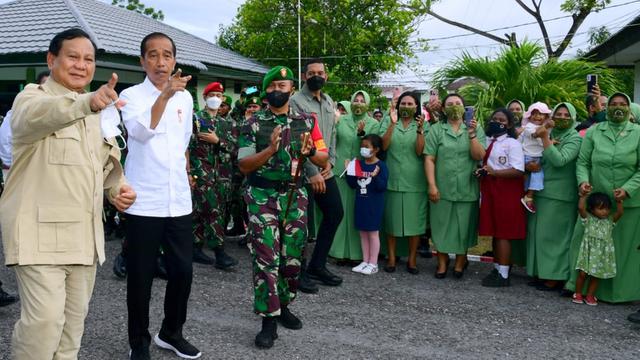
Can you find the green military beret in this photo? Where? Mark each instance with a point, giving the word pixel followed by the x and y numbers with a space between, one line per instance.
pixel 228 100
pixel 275 74
pixel 253 99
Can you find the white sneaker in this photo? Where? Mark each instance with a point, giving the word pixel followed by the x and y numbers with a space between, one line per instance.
pixel 370 269
pixel 360 267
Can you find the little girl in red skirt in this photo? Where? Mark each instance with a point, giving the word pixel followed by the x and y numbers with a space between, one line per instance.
pixel 501 187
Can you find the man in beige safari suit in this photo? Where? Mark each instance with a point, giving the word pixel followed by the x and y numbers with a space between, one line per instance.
pixel 51 209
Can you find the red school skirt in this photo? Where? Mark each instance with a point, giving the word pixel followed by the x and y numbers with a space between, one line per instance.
pixel 502 215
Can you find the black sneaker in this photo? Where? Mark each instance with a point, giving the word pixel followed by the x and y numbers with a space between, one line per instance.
pixel 181 347
pixel 494 279
pixel 323 275
pixel 6 298
pixel 120 266
pixel 288 320
pixel 268 334
pixel 200 257
pixel 223 261
pixel 140 353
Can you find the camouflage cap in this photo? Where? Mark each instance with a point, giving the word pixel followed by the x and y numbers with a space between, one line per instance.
pixel 277 73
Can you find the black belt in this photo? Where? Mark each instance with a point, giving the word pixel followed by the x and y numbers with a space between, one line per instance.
pixel 279 185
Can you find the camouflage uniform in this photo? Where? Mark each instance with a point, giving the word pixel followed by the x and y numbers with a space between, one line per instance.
pixel 276 247
pixel 212 168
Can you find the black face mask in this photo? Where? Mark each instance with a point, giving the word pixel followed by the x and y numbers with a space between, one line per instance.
pixel 277 99
pixel 315 83
pixel 496 129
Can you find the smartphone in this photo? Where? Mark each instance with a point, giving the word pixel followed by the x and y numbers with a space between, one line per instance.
pixel 433 95
pixel 468 115
pixel 592 81
pixel 251 90
pixel 397 91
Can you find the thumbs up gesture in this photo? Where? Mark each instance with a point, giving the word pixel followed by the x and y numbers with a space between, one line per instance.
pixel 105 96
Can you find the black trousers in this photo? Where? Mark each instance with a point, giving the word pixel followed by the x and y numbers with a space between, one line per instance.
pixel 330 205
pixel 144 237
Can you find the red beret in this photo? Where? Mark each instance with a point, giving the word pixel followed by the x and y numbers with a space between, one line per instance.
pixel 214 86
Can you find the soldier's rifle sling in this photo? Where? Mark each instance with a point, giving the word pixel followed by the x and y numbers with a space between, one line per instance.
pixel 305 140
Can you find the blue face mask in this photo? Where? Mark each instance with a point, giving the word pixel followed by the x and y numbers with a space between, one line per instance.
pixel 365 152
pixel 495 129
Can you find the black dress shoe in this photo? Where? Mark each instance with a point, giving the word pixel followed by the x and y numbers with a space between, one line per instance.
pixel 288 320
pixel 412 270
pixel 223 261
pixel 120 266
pixel 307 285
pixel 6 298
pixel 200 257
pixel 442 275
pixel 635 317
pixel 458 274
pixel 389 268
pixel 323 275
pixel 268 334
pixel 544 287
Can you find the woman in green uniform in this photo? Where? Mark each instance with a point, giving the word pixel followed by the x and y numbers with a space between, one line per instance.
pixel 550 229
pixel 609 162
pixel 452 151
pixel 349 129
pixel 405 213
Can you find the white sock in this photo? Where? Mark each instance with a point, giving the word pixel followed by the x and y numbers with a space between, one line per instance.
pixel 496 266
pixel 504 271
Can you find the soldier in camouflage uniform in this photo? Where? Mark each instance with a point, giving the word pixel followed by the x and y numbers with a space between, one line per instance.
pixel 225 107
pixel 238 208
pixel 272 153
pixel 212 148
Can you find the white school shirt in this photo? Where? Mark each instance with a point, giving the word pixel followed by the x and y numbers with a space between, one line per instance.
pixel 505 154
pixel 156 166
pixel 6 140
pixel 531 146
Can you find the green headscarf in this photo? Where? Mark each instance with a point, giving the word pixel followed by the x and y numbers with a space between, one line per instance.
pixel 347 106
pixel 610 108
pixel 555 132
pixel 635 111
pixel 367 101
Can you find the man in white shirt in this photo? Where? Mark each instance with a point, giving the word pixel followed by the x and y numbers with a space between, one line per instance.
pixel 5 133
pixel 158 120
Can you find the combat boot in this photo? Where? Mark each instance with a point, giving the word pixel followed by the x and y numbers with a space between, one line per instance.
pixel 120 266
pixel 223 261
pixel 288 320
pixel 268 334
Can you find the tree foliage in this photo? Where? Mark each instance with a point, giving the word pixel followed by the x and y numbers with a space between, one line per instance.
pixel 358 39
pixel 578 10
pixel 524 73
pixel 140 8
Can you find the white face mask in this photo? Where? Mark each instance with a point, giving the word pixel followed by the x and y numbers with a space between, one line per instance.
pixel 365 152
pixel 109 121
pixel 214 102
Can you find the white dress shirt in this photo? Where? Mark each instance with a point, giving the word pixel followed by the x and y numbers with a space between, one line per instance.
pixel 156 166
pixel 531 146
pixel 506 154
pixel 5 140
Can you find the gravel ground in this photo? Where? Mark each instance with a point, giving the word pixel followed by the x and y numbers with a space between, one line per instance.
pixel 385 316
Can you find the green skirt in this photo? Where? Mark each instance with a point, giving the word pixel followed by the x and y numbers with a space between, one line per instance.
pixel 346 243
pixel 549 234
pixel 405 213
pixel 626 237
pixel 454 225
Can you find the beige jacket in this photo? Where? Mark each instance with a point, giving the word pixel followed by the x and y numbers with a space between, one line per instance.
pixel 51 208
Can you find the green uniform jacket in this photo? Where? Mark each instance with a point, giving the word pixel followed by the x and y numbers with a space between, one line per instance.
pixel 559 165
pixel 406 169
pixel 454 165
pixel 614 164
